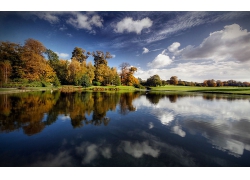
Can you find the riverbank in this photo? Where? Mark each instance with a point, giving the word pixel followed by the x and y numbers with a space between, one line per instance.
pixel 71 89
pixel 217 90
pixel 167 88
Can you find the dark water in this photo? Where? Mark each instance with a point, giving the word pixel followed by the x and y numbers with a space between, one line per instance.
pixel 124 129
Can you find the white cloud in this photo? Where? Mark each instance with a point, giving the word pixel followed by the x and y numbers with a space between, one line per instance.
pixel 145 50
pixel 174 47
pixel 96 20
pixel 231 43
pixel 160 61
pixel 228 125
pixel 177 130
pixel 139 149
pixel 198 72
pixel 48 16
pixel 129 25
pixel 90 152
pixel 84 21
pixel 62 55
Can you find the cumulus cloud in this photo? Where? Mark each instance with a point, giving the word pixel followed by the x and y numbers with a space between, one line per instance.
pixel 145 50
pixel 84 21
pixel 230 43
pixel 160 61
pixel 139 149
pixel 129 25
pixel 62 55
pixel 90 152
pixel 174 47
pixel 177 130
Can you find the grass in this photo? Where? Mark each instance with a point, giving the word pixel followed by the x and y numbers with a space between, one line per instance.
pixel 222 90
pixel 167 88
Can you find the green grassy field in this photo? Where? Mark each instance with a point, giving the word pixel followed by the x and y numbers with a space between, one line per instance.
pixel 222 90
pixel 167 88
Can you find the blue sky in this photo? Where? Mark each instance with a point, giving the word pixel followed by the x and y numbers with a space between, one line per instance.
pixel 193 45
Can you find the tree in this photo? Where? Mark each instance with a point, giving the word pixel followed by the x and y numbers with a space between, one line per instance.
pixel 174 80
pixel 101 66
pixel 90 71
pixel 11 52
pixel 131 80
pixel 124 71
pixel 85 81
pixel 117 80
pixel 75 72
pixel 34 46
pixel 35 67
pixel 78 54
pixel 154 80
pixel 5 68
pixel 53 58
pixel 62 71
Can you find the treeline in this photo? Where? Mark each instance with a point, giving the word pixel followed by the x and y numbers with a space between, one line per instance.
pixel 155 80
pixel 35 65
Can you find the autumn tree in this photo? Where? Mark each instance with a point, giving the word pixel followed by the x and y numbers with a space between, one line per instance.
pixel 101 65
pixel 5 68
pixel 75 72
pixel 174 80
pixel 35 67
pixel 11 52
pixel 219 83
pixel 90 71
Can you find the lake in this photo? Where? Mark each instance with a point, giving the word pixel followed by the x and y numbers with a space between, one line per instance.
pixel 135 129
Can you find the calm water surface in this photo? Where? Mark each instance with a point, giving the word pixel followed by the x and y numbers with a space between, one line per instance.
pixel 124 129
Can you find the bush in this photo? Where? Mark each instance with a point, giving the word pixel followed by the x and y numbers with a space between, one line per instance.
pixel 96 83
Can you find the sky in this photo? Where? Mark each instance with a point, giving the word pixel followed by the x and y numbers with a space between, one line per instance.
pixel 192 45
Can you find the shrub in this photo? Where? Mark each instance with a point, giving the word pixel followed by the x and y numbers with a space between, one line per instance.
pixel 96 83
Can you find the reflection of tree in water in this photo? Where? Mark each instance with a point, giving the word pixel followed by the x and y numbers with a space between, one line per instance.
pixel 77 105
pixel 26 110
pixel 155 97
pixel 211 97
pixel 33 111
pixel 126 100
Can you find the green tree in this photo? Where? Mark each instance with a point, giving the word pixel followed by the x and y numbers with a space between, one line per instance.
pixel 79 54
pixel 154 80
pixel 85 81
pixel 53 58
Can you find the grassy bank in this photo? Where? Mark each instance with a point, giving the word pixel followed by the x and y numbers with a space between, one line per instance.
pixel 221 90
pixel 167 88
pixel 71 89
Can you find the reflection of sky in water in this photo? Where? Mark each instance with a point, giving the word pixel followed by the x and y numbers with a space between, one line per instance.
pixel 224 123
